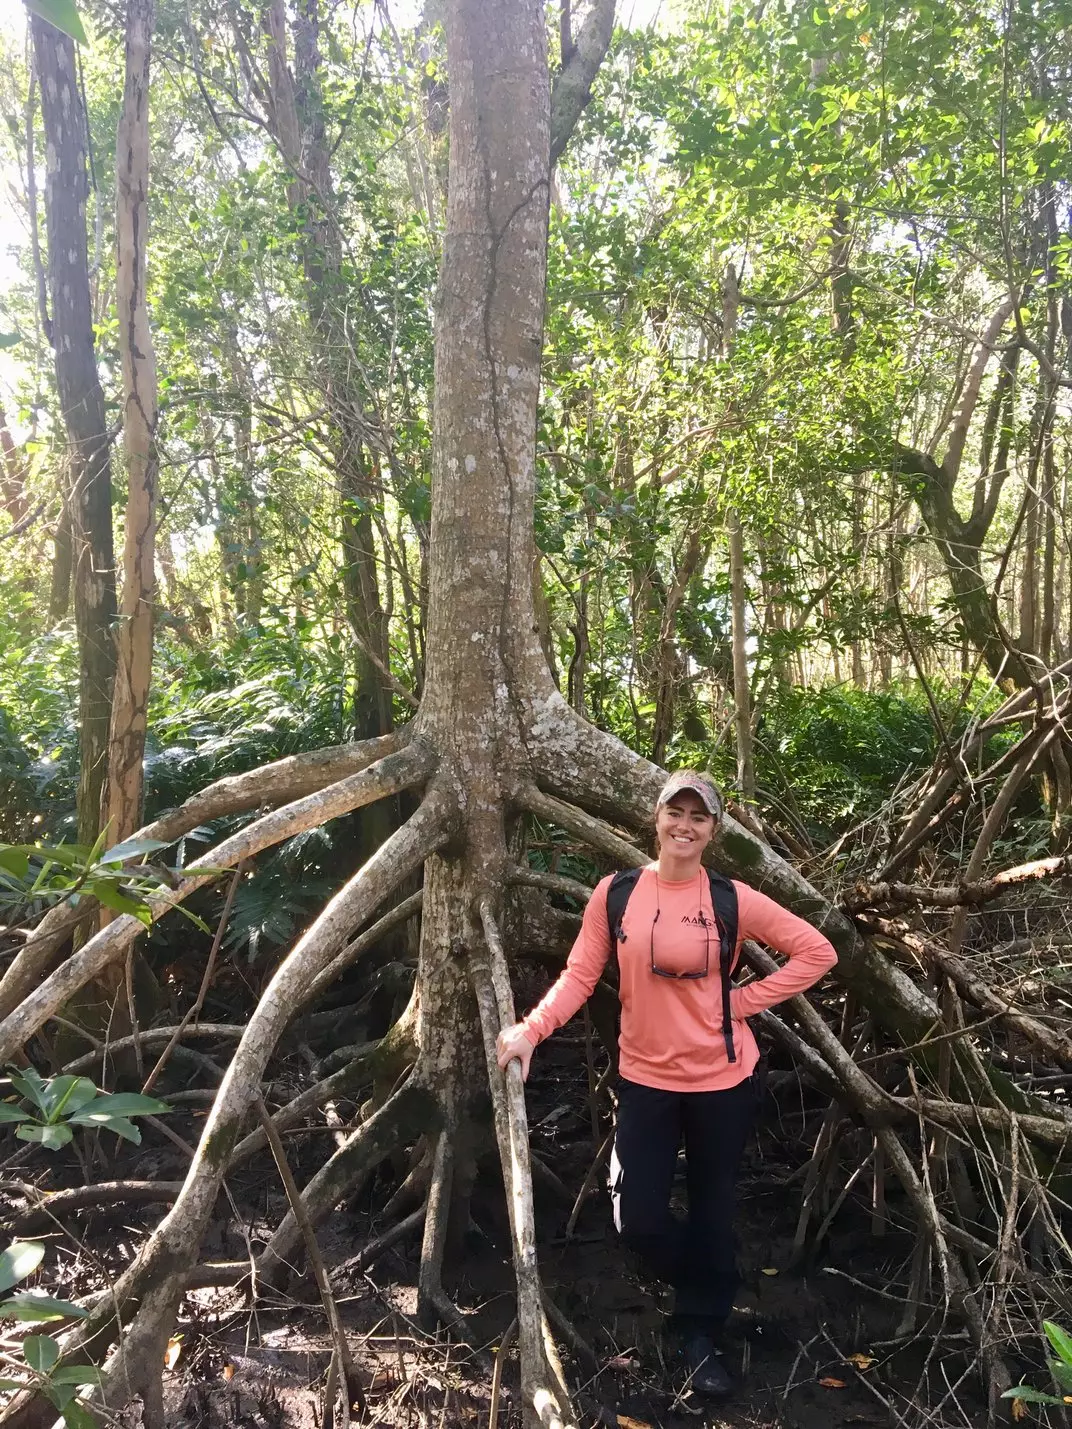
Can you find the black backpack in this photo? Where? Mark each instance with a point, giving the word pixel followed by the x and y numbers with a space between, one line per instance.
pixel 723 901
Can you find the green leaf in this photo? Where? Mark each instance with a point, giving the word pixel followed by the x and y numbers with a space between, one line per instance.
pixel 32 1086
pixel 21 1259
pixel 67 1094
pixel 1030 1396
pixel 118 1124
pixel 14 859
pixel 62 14
pixel 77 1416
pixel 77 1374
pixel 50 1137
pixel 30 1309
pixel 41 1352
pixel 12 1113
pixel 1060 1340
pixel 121 1104
pixel 9 339
pixel 131 848
pixel 7 1384
pixel 107 892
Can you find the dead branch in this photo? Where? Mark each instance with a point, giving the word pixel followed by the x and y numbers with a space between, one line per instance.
pixel 350 1382
pixel 970 986
pixel 956 895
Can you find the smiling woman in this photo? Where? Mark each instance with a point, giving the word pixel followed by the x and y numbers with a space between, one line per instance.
pixel 686 1054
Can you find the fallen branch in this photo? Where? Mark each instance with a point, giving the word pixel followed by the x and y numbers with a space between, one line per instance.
pixel 351 1385
pixel 970 986
pixel 955 895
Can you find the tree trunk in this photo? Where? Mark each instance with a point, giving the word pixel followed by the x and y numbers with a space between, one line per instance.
pixel 82 404
pixel 742 701
pixel 297 114
pixel 123 803
pixel 59 591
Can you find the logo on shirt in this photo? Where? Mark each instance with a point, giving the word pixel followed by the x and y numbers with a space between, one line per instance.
pixel 697 920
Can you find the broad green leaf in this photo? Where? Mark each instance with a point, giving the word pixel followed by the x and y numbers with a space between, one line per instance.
pixel 77 1374
pixel 10 339
pixel 1060 1340
pixel 30 1308
pixel 41 1352
pixel 50 1137
pixel 32 1086
pixel 67 1094
pixel 14 859
pixel 107 892
pixel 62 14
pixel 131 848
pixel 12 1113
pixel 121 1104
pixel 21 1259
pixel 9 1384
pixel 77 1416
pixel 108 1122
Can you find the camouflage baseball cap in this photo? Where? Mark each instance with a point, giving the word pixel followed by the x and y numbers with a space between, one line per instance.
pixel 698 784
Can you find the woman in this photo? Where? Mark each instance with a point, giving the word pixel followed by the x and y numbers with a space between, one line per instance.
pixel 686 1059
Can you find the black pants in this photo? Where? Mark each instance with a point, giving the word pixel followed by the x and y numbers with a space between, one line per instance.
pixel 696 1256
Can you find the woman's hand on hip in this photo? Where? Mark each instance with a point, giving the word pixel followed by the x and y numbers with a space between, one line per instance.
pixel 512 1042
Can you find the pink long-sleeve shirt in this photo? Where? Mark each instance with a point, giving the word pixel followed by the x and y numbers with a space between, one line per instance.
pixel 671 1030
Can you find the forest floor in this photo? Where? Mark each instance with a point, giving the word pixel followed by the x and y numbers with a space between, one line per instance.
pixel 790 1341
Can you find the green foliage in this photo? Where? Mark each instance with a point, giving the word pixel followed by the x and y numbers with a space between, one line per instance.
pixel 61 13
pixel 35 877
pixel 57 1104
pixel 1060 1367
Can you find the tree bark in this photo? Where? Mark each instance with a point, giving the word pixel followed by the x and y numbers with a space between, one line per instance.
pixel 123 799
pixel 742 701
pixel 82 404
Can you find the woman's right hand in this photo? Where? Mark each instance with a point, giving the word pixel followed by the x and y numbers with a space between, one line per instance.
pixel 512 1042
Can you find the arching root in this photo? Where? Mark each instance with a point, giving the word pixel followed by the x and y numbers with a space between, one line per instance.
pixel 148 1293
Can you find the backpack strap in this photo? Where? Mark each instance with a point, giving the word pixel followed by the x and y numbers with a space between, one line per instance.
pixel 618 894
pixel 724 902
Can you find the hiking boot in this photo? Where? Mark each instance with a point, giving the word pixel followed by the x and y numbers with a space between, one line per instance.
pixel 707 1374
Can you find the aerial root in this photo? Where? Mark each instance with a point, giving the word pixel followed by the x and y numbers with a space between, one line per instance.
pixel 155 1281
pixel 371 1252
pixel 281 782
pixel 396 772
pixel 545 1399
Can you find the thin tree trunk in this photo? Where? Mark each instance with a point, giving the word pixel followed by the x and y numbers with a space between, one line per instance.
pixel 135 639
pixel 59 594
pixel 742 703
pixel 82 404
